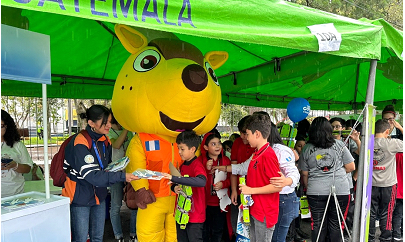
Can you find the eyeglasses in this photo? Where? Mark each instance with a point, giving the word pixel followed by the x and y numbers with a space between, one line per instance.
pixel 336 126
pixel 3 126
pixel 389 119
pixel 213 144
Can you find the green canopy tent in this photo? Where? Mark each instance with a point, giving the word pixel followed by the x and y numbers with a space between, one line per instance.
pixel 86 57
pixel 273 55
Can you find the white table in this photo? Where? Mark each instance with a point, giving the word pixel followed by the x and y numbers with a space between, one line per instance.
pixel 48 220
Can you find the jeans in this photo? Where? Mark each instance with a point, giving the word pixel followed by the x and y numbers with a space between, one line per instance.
pixel 116 191
pixel 87 221
pixel 288 210
pixel 382 203
pixel 259 231
pixel 330 226
pixel 214 224
pixel 397 219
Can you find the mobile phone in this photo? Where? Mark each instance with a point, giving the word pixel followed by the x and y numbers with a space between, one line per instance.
pixel 6 160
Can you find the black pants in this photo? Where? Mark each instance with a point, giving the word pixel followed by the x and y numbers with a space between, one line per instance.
pixel 350 212
pixel 234 215
pixel 214 224
pixel 382 202
pixel 397 219
pixel 192 232
pixel 331 226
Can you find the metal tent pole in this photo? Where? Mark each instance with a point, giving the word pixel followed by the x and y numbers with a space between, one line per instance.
pixel 359 204
pixel 45 139
pixel 70 117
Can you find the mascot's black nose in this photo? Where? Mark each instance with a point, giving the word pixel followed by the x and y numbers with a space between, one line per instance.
pixel 195 77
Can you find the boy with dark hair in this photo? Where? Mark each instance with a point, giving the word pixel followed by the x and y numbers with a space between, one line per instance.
pixel 188 142
pixel 384 188
pixel 263 166
pixel 241 151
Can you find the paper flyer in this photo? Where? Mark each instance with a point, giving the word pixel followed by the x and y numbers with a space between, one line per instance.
pixel 148 174
pixel 118 165
pixel 222 194
pixel 21 203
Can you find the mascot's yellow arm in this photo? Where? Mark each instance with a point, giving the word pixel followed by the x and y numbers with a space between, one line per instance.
pixel 137 159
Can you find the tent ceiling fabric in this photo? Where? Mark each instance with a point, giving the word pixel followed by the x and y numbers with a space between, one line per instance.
pixel 86 56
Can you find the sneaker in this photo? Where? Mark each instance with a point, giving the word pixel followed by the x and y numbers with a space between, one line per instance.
pixel 133 239
pixel 396 239
pixel 120 240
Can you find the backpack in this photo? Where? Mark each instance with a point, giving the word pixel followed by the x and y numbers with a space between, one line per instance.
pixel 57 173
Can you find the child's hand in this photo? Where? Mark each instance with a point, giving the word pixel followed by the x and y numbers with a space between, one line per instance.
pixel 219 168
pixel 279 181
pixel 177 189
pixel 218 186
pixel 355 135
pixel 245 190
pixel 167 176
pixel 234 198
pixel 209 164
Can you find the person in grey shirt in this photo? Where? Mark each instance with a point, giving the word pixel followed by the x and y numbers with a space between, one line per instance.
pixel 324 162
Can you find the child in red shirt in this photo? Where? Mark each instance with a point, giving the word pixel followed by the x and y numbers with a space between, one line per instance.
pixel 188 141
pixel 241 151
pixel 263 166
pixel 211 154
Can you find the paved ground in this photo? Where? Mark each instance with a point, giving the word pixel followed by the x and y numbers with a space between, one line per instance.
pixel 125 215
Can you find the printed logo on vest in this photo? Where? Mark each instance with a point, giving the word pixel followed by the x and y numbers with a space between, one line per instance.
pixel 152 145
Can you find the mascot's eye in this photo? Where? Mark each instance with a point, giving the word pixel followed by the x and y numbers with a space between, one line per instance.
pixel 146 61
pixel 212 73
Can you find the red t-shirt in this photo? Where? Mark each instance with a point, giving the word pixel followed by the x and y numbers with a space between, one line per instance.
pixel 263 166
pixel 240 151
pixel 399 161
pixel 197 213
pixel 213 200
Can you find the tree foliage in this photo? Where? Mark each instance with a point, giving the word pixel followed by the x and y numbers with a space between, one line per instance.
pixel 18 108
pixel 389 10
pixel 23 108
pixel 82 104
pixel 231 114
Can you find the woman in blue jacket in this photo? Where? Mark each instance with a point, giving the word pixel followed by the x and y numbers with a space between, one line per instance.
pixel 86 184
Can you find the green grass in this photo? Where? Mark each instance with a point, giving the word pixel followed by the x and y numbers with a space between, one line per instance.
pixel 35 140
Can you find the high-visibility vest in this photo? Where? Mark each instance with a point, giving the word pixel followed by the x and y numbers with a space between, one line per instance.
pixel 159 154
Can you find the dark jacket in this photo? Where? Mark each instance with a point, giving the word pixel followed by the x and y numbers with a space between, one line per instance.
pixel 86 183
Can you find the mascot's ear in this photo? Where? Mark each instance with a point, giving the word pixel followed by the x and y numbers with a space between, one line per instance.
pixel 216 58
pixel 131 39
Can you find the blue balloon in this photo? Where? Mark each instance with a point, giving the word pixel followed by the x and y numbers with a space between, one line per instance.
pixel 298 109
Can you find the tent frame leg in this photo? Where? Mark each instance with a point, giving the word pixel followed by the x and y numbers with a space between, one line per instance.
pixel 359 204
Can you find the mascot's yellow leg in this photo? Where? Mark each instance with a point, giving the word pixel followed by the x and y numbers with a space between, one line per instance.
pixel 156 222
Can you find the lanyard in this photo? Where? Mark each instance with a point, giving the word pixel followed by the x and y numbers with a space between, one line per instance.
pixel 98 154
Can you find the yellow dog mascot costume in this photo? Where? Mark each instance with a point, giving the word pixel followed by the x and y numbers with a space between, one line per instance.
pixel 165 86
